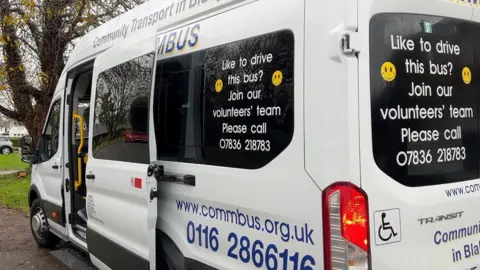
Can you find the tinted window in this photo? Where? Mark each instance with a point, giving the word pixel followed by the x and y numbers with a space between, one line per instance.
pixel 424 97
pixel 121 111
pixel 230 105
pixel 51 135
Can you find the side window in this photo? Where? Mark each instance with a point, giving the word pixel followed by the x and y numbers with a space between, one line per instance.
pixel 179 108
pixel 231 105
pixel 424 100
pixel 120 129
pixel 52 132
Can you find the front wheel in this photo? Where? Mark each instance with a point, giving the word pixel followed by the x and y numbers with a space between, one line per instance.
pixel 39 226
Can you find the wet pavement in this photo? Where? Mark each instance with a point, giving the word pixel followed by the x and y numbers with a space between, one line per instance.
pixel 18 249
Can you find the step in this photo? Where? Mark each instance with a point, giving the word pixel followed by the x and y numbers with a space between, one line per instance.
pixel 80 228
pixel 72 259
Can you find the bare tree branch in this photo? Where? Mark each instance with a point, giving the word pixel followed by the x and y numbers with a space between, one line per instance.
pixel 9 113
pixel 31 25
pixel 26 43
pixel 78 18
pixel 36 93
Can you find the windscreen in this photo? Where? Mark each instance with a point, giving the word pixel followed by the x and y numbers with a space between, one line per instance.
pixel 424 96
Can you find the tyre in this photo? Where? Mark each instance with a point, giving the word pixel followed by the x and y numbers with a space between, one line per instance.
pixel 6 150
pixel 39 226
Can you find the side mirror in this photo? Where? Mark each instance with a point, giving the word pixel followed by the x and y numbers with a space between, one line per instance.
pixel 29 158
pixel 27 152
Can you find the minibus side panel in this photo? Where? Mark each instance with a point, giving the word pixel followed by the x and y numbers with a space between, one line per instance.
pixel 331 93
pixel 419 132
pixel 228 110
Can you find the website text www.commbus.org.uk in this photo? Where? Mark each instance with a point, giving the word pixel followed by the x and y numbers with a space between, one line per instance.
pixel 286 231
pixel 466 189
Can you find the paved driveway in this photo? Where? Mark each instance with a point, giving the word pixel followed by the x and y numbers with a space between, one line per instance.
pixel 7 172
pixel 17 247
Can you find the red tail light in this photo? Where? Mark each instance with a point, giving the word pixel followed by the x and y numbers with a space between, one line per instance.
pixel 345 227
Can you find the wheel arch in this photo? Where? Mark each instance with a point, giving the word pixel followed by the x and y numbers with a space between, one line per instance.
pixel 33 194
pixel 173 256
pixel 167 250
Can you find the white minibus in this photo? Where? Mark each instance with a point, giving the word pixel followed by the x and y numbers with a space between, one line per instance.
pixel 271 134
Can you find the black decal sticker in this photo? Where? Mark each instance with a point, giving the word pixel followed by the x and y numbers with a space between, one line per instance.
pixel 231 105
pixel 249 100
pixel 424 98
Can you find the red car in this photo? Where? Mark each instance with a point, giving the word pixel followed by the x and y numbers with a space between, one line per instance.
pixel 136 136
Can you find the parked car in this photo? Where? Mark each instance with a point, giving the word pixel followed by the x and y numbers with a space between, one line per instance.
pixel 136 136
pixel 6 146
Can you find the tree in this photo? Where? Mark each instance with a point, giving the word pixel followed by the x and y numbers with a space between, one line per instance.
pixel 35 39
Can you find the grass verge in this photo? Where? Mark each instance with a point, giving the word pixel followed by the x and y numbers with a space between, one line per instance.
pixel 14 192
pixel 12 162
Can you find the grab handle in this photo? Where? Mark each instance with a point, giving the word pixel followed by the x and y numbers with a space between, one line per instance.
pixel 78 182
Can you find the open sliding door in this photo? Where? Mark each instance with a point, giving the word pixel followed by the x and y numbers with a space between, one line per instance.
pixel 121 216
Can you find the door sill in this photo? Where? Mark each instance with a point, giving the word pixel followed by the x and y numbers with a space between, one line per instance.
pixel 80 232
pixel 80 228
pixel 59 234
pixel 78 241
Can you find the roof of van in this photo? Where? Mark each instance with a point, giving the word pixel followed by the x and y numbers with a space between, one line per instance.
pixel 139 23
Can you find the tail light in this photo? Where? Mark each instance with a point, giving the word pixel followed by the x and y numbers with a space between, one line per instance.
pixel 345 228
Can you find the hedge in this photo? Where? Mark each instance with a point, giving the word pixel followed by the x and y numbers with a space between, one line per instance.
pixel 15 141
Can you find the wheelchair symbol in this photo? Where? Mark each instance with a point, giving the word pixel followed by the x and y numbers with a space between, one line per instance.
pixel 385 231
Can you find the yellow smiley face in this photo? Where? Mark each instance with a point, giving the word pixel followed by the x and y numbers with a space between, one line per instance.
pixel 466 75
pixel 218 86
pixel 388 71
pixel 277 78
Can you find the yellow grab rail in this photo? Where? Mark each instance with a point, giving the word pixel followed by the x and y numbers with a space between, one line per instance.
pixel 78 182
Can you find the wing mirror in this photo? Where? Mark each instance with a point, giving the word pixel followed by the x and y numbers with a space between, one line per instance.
pixel 27 149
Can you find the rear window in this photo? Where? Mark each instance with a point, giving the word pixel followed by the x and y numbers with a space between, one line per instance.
pixel 424 96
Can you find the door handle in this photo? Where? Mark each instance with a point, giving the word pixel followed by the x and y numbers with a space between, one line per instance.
pixel 67 185
pixel 55 167
pixel 158 172
pixel 90 176
pixel 186 179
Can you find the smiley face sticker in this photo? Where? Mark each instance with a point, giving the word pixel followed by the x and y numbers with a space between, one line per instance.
pixel 277 78
pixel 219 86
pixel 388 71
pixel 466 75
